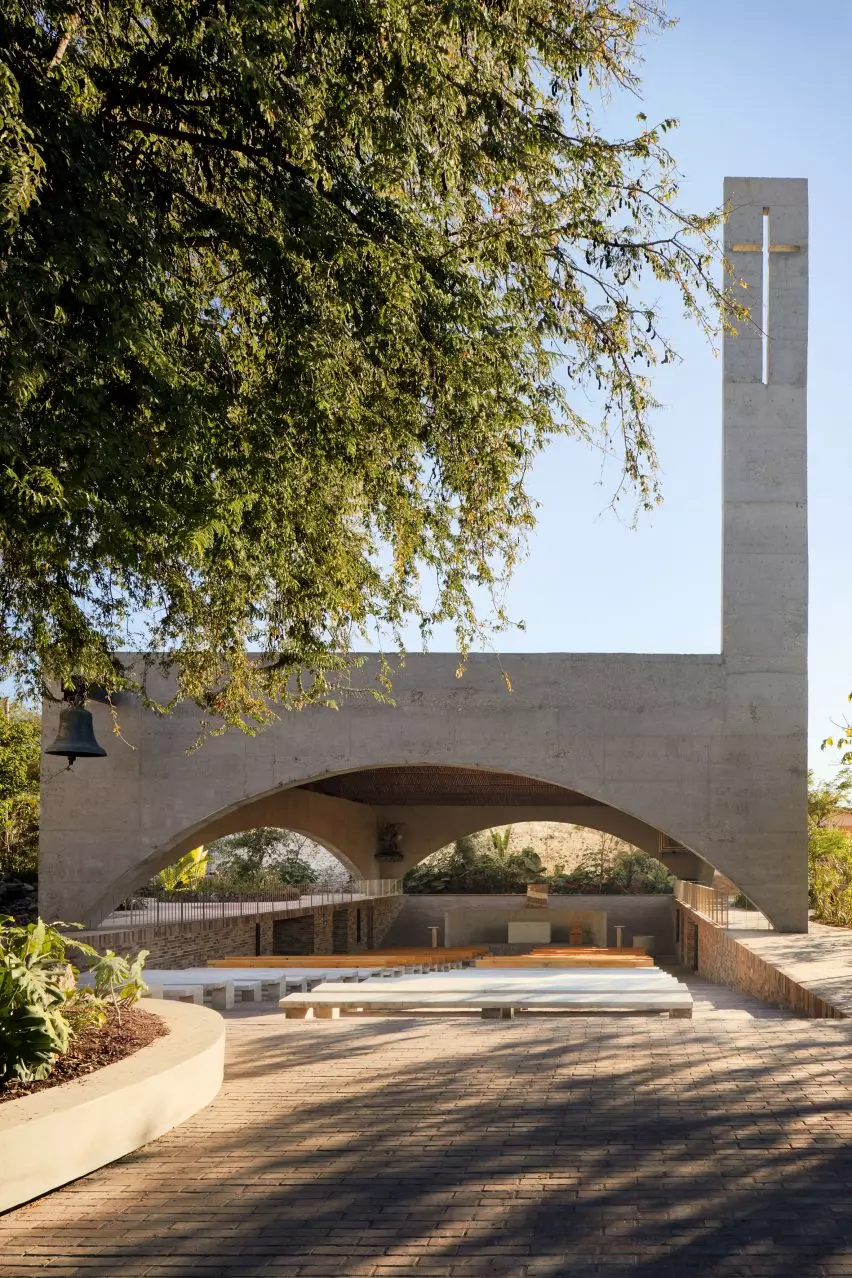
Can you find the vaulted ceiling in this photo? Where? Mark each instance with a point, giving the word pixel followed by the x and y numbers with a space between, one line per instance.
pixel 422 784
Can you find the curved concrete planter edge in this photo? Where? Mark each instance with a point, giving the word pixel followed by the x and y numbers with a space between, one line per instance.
pixel 63 1132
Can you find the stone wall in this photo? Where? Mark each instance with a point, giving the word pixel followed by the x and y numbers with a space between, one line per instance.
pixel 192 944
pixel 715 954
pixel 383 913
pixel 639 915
pixel 295 935
pixel 188 944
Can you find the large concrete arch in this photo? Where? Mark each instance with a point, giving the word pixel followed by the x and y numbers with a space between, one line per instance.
pixel 350 830
pixel 708 748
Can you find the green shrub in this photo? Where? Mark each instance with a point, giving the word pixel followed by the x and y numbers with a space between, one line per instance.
pixel 20 757
pixel 830 875
pixel 118 980
pixel 466 867
pixel 40 1006
pixel 613 871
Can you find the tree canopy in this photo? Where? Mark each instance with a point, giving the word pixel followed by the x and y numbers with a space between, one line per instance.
pixel 826 798
pixel 478 864
pixel 262 856
pixel 20 755
pixel 830 849
pixel 290 297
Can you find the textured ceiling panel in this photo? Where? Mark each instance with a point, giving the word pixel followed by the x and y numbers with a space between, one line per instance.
pixel 451 787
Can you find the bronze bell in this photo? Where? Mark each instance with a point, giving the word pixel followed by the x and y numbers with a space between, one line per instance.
pixel 76 736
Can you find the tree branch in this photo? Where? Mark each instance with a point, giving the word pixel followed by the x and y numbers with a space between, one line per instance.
pixel 73 27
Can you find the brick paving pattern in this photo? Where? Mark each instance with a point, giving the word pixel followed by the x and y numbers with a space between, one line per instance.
pixel 450 1148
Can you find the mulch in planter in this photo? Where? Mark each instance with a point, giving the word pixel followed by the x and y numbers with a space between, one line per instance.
pixel 93 1048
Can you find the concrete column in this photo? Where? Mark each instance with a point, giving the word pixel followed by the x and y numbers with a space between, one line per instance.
pixel 759 771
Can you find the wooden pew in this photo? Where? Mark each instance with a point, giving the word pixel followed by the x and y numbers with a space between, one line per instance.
pixel 605 961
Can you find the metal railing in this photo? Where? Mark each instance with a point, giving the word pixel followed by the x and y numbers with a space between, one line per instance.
pixel 704 900
pixel 725 909
pixel 160 908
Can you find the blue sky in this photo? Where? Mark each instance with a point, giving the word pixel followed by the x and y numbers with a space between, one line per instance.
pixel 761 88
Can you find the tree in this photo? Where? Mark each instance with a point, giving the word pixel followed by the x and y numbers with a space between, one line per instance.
pixel 829 850
pixel 610 866
pixel 20 753
pixel 637 871
pixel 500 843
pixel 291 295
pixel 187 872
pixel 826 797
pixel 597 865
pixel 264 854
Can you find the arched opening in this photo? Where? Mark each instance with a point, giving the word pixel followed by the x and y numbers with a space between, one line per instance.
pixel 258 858
pixel 380 822
pixel 561 857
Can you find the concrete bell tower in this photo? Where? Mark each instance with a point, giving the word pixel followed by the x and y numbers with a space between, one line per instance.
pixel 765 559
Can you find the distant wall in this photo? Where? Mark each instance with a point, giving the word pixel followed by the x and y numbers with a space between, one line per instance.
pixel 480 926
pixel 640 915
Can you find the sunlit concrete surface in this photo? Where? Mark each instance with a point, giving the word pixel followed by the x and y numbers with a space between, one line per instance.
pixel 820 959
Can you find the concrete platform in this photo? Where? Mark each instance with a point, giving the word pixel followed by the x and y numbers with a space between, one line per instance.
pixel 61 1133
pixel 820 960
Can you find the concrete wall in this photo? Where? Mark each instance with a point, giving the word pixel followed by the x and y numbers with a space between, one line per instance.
pixel 61 1133
pixel 708 749
pixel 639 915
pixel 484 926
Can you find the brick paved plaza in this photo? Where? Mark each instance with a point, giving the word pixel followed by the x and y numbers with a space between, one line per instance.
pixel 551 1146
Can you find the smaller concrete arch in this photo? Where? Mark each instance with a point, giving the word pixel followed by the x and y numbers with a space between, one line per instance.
pixel 680 861
pixel 287 809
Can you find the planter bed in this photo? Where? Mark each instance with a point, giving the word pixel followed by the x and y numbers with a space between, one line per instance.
pixel 94 1048
pixel 55 1134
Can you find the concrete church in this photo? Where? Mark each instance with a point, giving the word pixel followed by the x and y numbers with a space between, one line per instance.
pixel 698 759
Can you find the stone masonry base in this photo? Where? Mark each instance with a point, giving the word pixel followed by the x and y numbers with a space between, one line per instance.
pixel 346 929
pixel 715 954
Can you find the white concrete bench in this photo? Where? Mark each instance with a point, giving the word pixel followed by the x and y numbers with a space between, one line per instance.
pixel 405 988
pixel 250 990
pixel 493 978
pixel 183 993
pixel 501 993
pixel 186 991
pixel 220 992
pixel 313 975
pixel 253 983
pixel 332 1003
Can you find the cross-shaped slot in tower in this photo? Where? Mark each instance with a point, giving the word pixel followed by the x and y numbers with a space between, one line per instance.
pixel 766 248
